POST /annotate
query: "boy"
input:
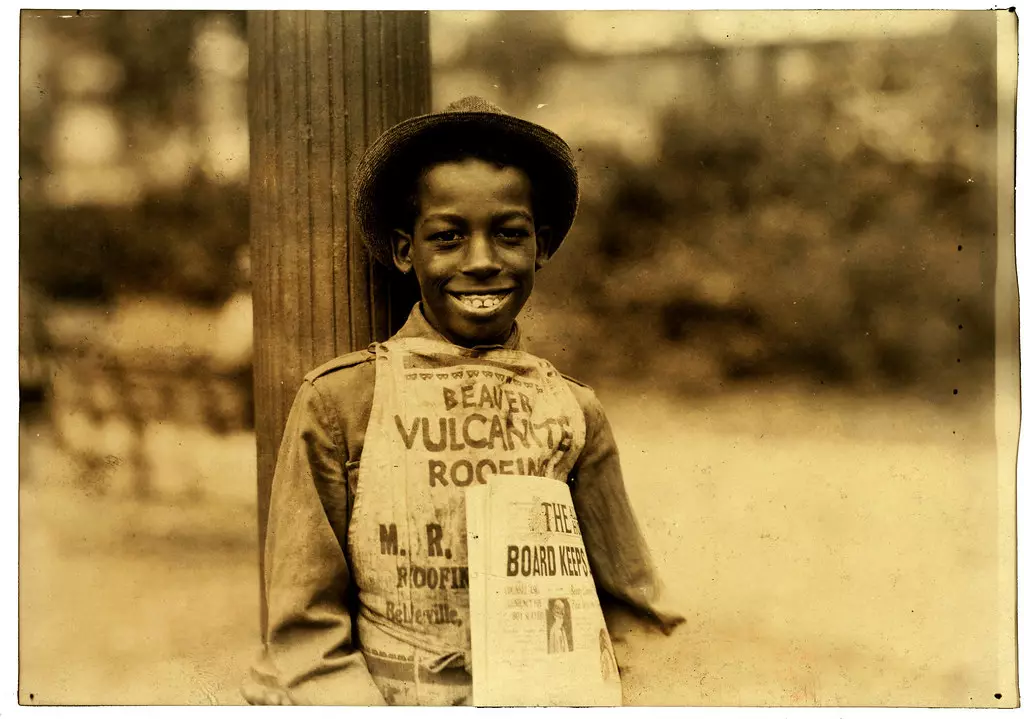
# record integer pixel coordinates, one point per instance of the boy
(366, 583)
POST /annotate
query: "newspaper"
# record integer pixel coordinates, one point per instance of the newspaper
(538, 634)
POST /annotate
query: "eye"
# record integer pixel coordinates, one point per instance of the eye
(512, 233)
(445, 238)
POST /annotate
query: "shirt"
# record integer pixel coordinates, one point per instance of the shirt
(310, 653)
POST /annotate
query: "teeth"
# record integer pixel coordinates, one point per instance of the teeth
(482, 302)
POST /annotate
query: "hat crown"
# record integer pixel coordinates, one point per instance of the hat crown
(474, 104)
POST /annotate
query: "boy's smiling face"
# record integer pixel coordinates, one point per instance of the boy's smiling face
(473, 247)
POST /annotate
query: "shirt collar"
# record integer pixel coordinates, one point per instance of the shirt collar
(418, 326)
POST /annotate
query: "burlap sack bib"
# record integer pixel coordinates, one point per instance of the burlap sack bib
(443, 418)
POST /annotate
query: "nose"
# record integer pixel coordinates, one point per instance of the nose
(481, 260)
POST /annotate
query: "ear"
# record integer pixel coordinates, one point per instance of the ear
(543, 246)
(401, 250)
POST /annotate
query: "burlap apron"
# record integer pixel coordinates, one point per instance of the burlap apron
(443, 418)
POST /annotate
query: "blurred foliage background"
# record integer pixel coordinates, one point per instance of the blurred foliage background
(797, 202)
(766, 199)
(776, 198)
(134, 154)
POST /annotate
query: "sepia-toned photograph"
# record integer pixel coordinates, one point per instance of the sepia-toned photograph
(517, 358)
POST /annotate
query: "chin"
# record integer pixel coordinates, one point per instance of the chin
(468, 328)
(470, 337)
(468, 332)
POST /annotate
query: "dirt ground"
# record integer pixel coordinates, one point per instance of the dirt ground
(825, 551)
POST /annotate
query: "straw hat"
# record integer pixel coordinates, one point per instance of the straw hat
(392, 163)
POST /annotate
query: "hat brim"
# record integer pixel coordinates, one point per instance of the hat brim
(396, 154)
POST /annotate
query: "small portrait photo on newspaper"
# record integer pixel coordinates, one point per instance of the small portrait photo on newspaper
(559, 618)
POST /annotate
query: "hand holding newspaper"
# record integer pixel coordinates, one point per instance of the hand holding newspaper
(538, 633)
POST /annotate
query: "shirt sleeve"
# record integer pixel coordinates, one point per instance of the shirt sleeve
(618, 553)
(309, 655)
